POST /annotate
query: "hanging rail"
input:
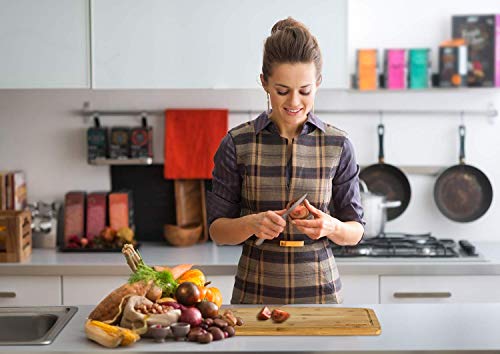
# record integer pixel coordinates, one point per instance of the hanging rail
(491, 112)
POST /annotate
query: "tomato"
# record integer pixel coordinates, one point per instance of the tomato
(214, 295)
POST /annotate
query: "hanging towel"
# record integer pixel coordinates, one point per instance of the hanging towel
(192, 137)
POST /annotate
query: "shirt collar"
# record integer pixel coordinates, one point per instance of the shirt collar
(263, 121)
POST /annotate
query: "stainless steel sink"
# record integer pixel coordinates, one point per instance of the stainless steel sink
(33, 325)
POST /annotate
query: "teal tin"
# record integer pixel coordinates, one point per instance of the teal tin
(419, 68)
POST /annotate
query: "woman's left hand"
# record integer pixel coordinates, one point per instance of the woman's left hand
(322, 224)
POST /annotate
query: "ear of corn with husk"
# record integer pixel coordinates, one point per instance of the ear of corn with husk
(108, 335)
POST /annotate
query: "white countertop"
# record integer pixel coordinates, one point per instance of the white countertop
(223, 260)
(406, 328)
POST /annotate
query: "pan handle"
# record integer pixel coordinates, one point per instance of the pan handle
(461, 132)
(381, 130)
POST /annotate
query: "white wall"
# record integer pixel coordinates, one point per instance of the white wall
(40, 133)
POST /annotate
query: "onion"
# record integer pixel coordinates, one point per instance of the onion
(192, 316)
(154, 293)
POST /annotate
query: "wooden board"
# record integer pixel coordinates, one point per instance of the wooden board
(310, 321)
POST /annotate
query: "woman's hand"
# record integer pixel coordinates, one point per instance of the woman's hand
(268, 224)
(322, 224)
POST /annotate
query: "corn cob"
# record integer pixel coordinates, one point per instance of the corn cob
(108, 335)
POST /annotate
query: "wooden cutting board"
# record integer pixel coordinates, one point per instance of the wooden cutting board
(310, 321)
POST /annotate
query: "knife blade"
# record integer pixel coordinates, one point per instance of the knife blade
(285, 215)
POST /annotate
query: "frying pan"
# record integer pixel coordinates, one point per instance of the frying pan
(462, 192)
(387, 180)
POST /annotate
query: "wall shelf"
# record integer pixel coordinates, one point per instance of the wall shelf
(131, 161)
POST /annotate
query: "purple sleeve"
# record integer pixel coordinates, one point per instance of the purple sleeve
(225, 198)
(346, 199)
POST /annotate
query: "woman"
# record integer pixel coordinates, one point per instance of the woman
(262, 165)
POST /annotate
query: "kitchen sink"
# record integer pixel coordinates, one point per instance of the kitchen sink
(33, 325)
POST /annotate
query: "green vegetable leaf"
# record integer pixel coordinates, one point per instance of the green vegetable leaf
(165, 280)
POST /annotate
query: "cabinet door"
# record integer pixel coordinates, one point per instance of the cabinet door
(360, 289)
(30, 291)
(439, 289)
(205, 44)
(44, 44)
(89, 290)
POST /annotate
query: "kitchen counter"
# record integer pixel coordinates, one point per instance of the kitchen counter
(406, 328)
(222, 260)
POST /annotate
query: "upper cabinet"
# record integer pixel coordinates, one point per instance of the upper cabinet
(44, 44)
(205, 44)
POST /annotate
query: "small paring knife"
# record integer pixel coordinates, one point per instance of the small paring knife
(285, 215)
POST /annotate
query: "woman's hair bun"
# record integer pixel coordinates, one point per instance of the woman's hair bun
(290, 42)
(288, 22)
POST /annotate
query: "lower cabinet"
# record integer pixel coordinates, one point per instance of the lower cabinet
(356, 289)
(30, 291)
(89, 290)
(360, 289)
(439, 289)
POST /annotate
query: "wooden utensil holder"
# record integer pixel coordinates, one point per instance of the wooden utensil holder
(15, 235)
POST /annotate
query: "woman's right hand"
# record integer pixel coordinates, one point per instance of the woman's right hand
(268, 224)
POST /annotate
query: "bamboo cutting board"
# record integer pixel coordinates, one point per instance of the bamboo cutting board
(310, 321)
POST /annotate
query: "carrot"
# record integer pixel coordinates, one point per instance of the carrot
(176, 271)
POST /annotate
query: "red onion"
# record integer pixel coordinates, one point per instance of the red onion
(192, 316)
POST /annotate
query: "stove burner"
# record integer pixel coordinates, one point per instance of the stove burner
(405, 245)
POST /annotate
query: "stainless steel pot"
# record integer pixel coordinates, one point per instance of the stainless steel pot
(375, 211)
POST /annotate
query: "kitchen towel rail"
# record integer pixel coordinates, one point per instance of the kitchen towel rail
(491, 112)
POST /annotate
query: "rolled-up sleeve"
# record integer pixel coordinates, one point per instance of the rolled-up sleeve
(224, 200)
(346, 199)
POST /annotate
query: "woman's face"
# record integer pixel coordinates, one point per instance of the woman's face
(292, 88)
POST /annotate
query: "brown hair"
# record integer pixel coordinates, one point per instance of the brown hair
(290, 42)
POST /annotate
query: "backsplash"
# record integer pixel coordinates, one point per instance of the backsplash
(41, 133)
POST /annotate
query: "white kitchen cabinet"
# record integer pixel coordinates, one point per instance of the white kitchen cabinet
(205, 44)
(89, 290)
(360, 289)
(30, 291)
(44, 44)
(439, 289)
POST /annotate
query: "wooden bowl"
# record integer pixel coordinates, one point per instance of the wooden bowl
(182, 236)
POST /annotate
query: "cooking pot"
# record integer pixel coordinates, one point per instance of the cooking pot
(375, 211)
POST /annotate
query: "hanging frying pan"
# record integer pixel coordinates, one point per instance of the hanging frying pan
(462, 192)
(387, 180)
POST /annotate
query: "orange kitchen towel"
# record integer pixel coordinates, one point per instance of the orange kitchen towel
(192, 137)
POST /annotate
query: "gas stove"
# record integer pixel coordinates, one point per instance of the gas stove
(408, 246)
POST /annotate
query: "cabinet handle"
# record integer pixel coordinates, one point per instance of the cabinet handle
(7, 294)
(420, 295)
